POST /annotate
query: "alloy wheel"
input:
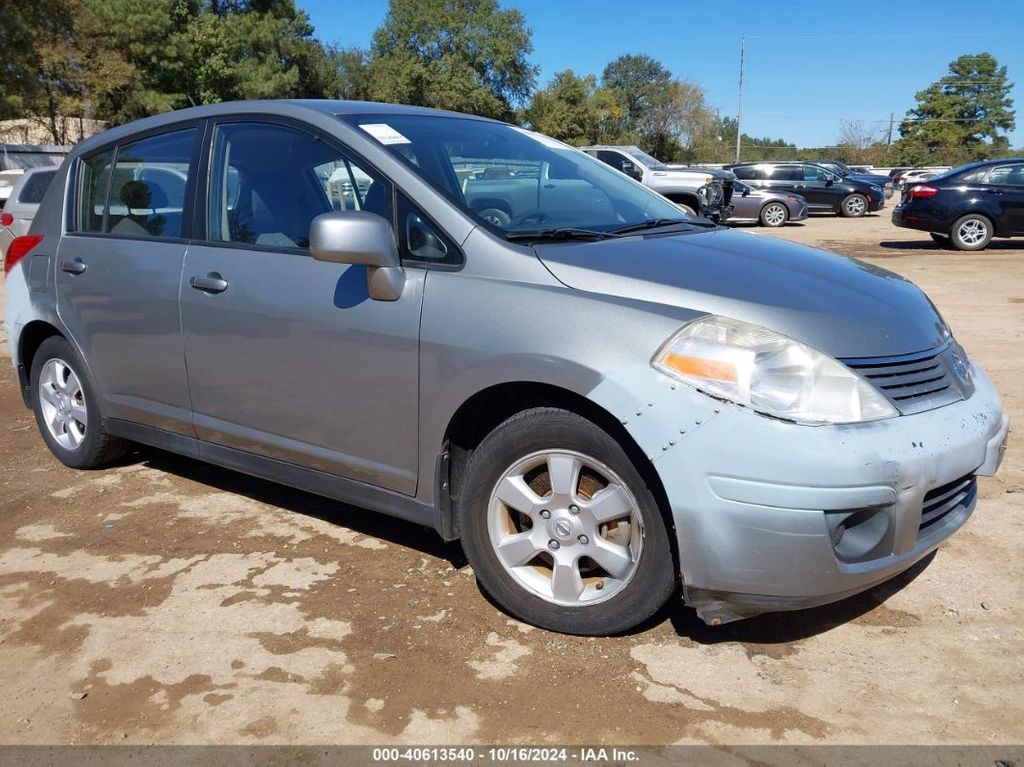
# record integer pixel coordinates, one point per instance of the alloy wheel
(972, 232)
(565, 527)
(62, 402)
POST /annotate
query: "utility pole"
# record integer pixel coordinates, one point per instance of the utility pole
(888, 141)
(739, 107)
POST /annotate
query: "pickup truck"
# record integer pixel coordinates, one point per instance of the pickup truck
(698, 191)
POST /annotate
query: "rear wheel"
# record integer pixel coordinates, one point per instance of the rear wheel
(561, 529)
(496, 216)
(63, 399)
(774, 214)
(854, 206)
(971, 232)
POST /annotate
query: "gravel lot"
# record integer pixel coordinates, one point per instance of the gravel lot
(165, 601)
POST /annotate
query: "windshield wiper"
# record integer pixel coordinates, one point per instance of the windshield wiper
(654, 223)
(561, 233)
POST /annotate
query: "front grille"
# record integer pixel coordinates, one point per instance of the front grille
(942, 500)
(914, 382)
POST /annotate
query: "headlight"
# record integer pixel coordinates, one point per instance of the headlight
(768, 372)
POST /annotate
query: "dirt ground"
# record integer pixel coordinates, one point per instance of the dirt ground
(165, 601)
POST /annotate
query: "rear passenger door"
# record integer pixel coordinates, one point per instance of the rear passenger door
(118, 273)
(1005, 185)
(288, 357)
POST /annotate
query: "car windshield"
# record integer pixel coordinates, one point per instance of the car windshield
(513, 181)
(837, 168)
(643, 158)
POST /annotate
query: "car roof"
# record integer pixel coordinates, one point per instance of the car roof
(276, 107)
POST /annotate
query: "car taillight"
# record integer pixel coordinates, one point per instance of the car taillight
(6, 219)
(19, 248)
(922, 190)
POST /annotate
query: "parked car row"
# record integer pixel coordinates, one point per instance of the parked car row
(605, 401)
(23, 200)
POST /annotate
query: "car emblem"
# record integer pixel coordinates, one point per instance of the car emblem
(563, 528)
(959, 365)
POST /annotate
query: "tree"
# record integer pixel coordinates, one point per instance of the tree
(963, 116)
(567, 109)
(464, 55)
(666, 116)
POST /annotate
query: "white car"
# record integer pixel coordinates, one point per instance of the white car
(26, 194)
(7, 180)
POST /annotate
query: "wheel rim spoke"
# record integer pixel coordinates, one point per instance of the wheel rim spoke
(47, 393)
(610, 503)
(516, 550)
(566, 583)
(614, 559)
(517, 495)
(79, 413)
(564, 471)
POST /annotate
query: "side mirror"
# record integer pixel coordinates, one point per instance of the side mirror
(745, 192)
(358, 237)
(830, 180)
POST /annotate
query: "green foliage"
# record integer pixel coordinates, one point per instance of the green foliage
(964, 116)
(637, 102)
(463, 55)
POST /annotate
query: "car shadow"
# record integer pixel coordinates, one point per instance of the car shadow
(359, 520)
(785, 627)
(915, 245)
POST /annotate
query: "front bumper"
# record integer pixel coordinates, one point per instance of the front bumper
(756, 501)
(876, 203)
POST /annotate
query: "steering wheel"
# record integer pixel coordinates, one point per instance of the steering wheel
(529, 215)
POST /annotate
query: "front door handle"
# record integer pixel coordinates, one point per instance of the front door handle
(77, 266)
(211, 283)
(994, 191)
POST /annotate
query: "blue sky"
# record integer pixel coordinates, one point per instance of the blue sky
(809, 64)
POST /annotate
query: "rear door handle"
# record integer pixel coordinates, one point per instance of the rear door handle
(211, 283)
(994, 191)
(77, 266)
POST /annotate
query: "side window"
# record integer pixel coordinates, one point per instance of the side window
(92, 192)
(813, 173)
(35, 187)
(1007, 174)
(420, 240)
(268, 183)
(147, 188)
(614, 159)
(746, 172)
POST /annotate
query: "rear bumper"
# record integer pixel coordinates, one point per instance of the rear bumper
(757, 517)
(910, 219)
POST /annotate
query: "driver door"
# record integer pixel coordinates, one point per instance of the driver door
(288, 357)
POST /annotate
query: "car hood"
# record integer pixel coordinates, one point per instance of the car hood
(836, 304)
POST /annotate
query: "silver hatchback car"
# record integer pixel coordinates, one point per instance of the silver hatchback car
(604, 400)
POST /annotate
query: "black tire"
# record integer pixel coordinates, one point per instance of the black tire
(654, 578)
(941, 239)
(853, 206)
(767, 219)
(687, 209)
(496, 216)
(958, 232)
(97, 447)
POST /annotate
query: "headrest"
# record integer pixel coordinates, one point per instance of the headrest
(143, 195)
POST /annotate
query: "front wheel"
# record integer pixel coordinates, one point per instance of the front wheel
(971, 232)
(560, 527)
(774, 214)
(854, 206)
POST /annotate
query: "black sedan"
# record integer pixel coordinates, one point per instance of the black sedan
(967, 206)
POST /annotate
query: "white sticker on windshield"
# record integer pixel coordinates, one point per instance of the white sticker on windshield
(541, 138)
(385, 134)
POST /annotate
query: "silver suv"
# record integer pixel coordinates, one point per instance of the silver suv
(603, 399)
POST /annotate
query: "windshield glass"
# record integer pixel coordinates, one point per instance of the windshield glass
(512, 180)
(643, 158)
